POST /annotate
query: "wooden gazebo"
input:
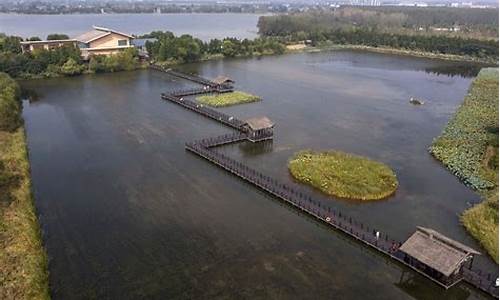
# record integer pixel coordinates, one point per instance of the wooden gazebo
(222, 80)
(259, 129)
(436, 255)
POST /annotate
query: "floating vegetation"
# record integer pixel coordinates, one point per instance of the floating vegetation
(227, 99)
(462, 145)
(344, 175)
(468, 147)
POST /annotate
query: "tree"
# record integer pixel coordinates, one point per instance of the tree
(34, 38)
(71, 68)
(10, 106)
(214, 46)
(229, 48)
(57, 36)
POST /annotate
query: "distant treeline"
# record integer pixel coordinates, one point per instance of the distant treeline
(390, 27)
(443, 21)
(185, 48)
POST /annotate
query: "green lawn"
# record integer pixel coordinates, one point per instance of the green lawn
(344, 175)
(468, 147)
(227, 99)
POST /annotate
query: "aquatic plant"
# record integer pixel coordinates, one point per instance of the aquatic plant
(227, 99)
(463, 143)
(468, 147)
(344, 175)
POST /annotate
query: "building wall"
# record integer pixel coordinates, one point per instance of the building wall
(110, 40)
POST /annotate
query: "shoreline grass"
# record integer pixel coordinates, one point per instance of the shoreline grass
(468, 147)
(344, 175)
(23, 261)
(227, 99)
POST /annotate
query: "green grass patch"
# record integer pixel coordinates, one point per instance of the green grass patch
(468, 147)
(227, 99)
(344, 175)
(23, 262)
(482, 222)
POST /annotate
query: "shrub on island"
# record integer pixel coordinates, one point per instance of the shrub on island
(227, 99)
(344, 175)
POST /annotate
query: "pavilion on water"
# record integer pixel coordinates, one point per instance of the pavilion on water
(259, 129)
(436, 255)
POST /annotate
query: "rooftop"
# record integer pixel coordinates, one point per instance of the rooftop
(96, 33)
(222, 79)
(436, 250)
(259, 123)
(48, 42)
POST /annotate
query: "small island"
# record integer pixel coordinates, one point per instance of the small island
(344, 175)
(227, 99)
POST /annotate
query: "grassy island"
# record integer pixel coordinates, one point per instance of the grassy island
(344, 175)
(227, 99)
(23, 261)
(468, 146)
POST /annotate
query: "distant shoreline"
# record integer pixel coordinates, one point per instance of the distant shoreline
(138, 13)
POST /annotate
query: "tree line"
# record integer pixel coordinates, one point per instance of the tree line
(185, 48)
(370, 28)
(435, 21)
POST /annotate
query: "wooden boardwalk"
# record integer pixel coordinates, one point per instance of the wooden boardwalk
(206, 111)
(190, 77)
(359, 231)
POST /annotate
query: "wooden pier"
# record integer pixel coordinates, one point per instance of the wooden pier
(368, 235)
(190, 77)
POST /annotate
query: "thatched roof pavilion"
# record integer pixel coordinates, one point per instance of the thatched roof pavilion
(437, 251)
(259, 129)
(222, 80)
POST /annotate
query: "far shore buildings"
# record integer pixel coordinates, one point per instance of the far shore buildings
(98, 41)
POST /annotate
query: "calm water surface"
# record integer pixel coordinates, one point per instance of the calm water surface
(202, 26)
(127, 213)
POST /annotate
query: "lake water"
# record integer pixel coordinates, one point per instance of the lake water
(202, 26)
(127, 213)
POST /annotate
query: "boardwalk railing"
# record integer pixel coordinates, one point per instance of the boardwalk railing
(368, 235)
(191, 77)
(207, 112)
(339, 220)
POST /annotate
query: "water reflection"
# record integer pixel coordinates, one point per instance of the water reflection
(254, 149)
(30, 95)
(465, 70)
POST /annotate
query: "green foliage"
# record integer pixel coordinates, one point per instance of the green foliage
(39, 62)
(10, 105)
(22, 257)
(188, 49)
(57, 36)
(482, 222)
(34, 38)
(11, 44)
(344, 175)
(227, 99)
(468, 146)
(71, 68)
(123, 61)
(384, 27)
(464, 142)
(230, 48)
